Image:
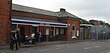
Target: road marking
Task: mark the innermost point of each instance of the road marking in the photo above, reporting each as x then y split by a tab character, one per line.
2	51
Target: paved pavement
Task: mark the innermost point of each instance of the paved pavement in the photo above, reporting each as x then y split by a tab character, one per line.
79	47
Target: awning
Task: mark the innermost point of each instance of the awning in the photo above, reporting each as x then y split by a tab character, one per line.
37	23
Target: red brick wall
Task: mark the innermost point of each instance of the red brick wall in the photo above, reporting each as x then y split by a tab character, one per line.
42	29
77	24
69	28
4	20
70	23
27	30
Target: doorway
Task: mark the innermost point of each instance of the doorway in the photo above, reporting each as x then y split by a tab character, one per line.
22	33
35	29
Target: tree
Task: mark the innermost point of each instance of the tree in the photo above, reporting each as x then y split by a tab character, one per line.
102	22
107	24
82	21
91	22
99	22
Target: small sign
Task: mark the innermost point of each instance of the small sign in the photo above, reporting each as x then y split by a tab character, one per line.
77	33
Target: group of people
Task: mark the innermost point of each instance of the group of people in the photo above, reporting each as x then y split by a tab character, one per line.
14	38
35	37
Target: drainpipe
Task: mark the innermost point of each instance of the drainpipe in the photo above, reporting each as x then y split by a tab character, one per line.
10	2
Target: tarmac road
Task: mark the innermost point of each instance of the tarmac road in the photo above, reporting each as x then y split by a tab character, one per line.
79	47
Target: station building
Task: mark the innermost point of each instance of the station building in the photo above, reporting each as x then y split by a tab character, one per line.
54	26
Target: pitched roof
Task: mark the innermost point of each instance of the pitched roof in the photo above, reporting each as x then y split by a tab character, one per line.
41	11
32	10
33	19
66	14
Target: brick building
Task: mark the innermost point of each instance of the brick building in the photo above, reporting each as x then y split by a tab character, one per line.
4	20
53	26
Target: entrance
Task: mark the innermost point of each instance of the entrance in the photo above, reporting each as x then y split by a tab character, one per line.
74	33
52	36
82	33
35	29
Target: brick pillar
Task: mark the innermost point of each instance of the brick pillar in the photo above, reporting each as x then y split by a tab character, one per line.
69	29
31	30
28	30
42	30
4	21
77	24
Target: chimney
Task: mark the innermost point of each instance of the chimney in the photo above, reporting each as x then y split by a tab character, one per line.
62	10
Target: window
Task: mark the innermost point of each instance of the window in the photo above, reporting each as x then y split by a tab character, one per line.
34	29
57	31
47	31
62	31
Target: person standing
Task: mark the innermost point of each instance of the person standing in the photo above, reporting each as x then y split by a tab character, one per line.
13	40
40	36
33	38
18	36
36	36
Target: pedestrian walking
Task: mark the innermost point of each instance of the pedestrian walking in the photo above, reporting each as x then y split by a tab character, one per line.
13	40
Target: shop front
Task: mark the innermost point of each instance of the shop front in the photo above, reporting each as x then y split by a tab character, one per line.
50	31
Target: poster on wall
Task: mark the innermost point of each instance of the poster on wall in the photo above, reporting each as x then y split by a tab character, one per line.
77	32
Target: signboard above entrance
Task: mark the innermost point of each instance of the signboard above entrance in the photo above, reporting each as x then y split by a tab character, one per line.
38	23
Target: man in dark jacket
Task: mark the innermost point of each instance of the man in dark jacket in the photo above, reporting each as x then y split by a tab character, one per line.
13	40
18	36
36	36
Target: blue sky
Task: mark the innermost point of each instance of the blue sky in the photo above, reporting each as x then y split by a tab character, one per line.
86	9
